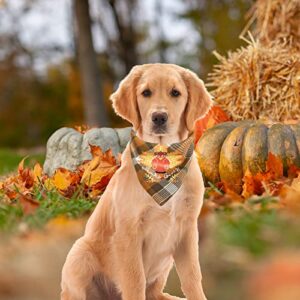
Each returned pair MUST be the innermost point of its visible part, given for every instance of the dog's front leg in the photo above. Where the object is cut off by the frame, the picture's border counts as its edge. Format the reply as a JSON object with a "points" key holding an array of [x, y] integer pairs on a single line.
{"points": [[187, 264], [129, 264]]}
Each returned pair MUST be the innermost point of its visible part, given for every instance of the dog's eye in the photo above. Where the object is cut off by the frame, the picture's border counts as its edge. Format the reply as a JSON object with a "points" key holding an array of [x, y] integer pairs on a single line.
{"points": [[147, 93], [175, 93]]}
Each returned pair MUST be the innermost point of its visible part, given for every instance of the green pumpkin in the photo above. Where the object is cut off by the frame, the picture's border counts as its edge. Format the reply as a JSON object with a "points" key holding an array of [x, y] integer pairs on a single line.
{"points": [[227, 150]]}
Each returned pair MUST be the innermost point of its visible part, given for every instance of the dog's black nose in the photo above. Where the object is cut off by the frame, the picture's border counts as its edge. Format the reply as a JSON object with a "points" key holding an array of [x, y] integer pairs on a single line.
{"points": [[159, 118]]}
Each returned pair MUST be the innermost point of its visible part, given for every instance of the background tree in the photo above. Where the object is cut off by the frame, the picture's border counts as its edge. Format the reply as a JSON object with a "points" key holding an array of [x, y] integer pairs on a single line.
{"points": [[219, 24], [95, 111], [83, 54]]}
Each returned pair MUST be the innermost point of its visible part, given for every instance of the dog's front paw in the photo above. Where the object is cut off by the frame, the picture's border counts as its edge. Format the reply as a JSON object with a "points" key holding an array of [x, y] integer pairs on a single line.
{"points": [[166, 296]]}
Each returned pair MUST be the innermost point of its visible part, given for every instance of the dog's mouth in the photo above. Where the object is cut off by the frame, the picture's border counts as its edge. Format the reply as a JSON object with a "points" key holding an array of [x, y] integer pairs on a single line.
{"points": [[159, 130]]}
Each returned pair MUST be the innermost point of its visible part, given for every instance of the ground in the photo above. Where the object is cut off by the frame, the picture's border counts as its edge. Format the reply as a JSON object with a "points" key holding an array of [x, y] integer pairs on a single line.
{"points": [[243, 245]]}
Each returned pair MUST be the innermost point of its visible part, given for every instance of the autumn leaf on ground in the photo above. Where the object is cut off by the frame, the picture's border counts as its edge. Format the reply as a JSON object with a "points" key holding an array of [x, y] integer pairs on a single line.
{"points": [[21, 182], [65, 181], [257, 184], [26, 175], [218, 195], [97, 172], [37, 172], [290, 196], [24, 198], [274, 166], [28, 203], [293, 171], [9, 193]]}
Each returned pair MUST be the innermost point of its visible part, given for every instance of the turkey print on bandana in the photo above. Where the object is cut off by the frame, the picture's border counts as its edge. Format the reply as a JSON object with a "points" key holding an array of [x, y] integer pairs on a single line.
{"points": [[160, 168], [160, 162]]}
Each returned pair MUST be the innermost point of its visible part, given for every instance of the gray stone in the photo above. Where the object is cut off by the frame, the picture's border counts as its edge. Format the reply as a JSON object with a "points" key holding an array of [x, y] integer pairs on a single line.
{"points": [[124, 136], [68, 148]]}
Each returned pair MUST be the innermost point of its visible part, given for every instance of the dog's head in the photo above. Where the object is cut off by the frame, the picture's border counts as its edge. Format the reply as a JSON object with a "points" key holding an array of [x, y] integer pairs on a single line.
{"points": [[161, 99]]}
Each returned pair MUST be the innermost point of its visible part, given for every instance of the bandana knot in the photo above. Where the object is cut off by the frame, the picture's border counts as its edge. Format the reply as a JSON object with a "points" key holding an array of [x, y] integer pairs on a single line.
{"points": [[160, 168]]}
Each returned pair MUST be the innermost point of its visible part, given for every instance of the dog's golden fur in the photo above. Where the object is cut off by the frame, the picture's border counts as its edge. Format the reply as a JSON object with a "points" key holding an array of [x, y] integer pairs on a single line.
{"points": [[130, 242]]}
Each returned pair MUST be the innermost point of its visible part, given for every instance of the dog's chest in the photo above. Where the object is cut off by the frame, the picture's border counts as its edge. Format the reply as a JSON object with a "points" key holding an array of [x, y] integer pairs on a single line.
{"points": [[162, 229]]}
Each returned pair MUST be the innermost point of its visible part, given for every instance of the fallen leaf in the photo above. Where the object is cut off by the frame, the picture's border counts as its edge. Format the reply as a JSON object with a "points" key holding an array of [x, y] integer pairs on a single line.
{"points": [[37, 172], [269, 180], [290, 196], [63, 179], [293, 171], [29, 205], [102, 166], [26, 176]]}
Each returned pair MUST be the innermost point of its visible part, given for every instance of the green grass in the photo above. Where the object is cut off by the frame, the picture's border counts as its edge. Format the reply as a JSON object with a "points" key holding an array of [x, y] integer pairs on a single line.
{"points": [[257, 231], [51, 205], [9, 160]]}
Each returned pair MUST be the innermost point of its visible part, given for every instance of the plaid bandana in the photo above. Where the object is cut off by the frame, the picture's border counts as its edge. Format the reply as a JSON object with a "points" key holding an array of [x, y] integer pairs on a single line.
{"points": [[161, 169]]}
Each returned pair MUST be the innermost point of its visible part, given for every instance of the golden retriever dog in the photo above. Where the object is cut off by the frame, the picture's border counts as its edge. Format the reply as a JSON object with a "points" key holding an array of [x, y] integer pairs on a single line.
{"points": [[130, 242]]}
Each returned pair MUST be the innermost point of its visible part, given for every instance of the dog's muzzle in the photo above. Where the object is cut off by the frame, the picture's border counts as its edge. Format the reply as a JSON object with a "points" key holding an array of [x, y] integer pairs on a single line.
{"points": [[159, 122]]}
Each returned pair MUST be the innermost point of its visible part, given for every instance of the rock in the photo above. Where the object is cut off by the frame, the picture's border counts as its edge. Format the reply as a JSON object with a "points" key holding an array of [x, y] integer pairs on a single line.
{"points": [[124, 136], [68, 148]]}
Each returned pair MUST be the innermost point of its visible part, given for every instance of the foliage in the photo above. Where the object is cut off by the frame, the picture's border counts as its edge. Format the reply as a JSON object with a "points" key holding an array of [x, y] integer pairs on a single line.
{"points": [[30, 192], [264, 194], [39, 76], [33, 198], [50, 204], [90, 179], [214, 116], [31, 107], [217, 23], [239, 242], [257, 227]]}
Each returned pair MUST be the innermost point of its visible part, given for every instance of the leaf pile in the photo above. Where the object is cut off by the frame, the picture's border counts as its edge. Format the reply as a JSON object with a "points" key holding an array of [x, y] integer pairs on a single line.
{"points": [[271, 184], [88, 180]]}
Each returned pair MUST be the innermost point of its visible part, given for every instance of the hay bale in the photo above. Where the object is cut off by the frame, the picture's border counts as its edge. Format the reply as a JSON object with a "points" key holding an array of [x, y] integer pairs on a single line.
{"points": [[276, 20], [258, 81]]}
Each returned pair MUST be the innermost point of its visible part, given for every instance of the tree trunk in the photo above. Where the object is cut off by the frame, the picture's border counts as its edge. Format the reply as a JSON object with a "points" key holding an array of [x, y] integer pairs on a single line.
{"points": [[94, 107], [127, 34]]}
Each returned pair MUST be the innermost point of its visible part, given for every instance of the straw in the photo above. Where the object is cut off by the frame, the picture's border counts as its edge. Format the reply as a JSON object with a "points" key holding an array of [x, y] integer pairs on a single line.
{"points": [[262, 79]]}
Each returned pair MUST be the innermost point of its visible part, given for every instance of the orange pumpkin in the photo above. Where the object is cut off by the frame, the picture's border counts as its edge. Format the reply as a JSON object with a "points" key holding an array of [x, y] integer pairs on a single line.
{"points": [[215, 116]]}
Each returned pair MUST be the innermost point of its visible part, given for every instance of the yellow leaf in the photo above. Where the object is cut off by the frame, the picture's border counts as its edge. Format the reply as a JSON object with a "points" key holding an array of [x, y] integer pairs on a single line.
{"points": [[37, 172], [64, 179], [48, 184], [61, 179], [95, 176], [102, 165]]}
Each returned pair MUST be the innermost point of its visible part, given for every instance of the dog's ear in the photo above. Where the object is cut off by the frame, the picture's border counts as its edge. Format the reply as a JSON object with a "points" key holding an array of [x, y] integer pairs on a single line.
{"points": [[124, 99], [199, 100]]}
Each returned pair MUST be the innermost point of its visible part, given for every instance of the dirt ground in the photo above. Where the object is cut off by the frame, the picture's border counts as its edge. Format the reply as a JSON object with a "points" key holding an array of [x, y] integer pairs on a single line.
{"points": [[30, 264]]}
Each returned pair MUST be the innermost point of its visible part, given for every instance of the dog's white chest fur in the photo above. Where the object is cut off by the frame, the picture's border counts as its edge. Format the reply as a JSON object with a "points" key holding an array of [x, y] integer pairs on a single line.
{"points": [[162, 230]]}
